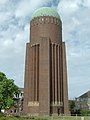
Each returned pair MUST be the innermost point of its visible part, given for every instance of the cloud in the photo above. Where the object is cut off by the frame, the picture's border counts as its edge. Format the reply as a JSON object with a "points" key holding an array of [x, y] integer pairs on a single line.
{"points": [[14, 33], [26, 7], [68, 7], [3, 2], [86, 3], [75, 18]]}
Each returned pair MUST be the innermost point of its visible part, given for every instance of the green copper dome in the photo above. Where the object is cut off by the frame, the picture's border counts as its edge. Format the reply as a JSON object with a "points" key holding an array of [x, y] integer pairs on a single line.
{"points": [[45, 11]]}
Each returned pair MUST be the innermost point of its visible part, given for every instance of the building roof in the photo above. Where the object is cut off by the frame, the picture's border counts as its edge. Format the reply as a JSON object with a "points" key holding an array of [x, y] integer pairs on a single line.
{"points": [[21, 89], [87, 94], [45, 11]]}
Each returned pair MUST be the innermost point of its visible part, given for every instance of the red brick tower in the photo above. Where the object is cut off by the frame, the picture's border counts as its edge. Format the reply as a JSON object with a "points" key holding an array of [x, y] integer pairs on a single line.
{"points": [[45, 88]]}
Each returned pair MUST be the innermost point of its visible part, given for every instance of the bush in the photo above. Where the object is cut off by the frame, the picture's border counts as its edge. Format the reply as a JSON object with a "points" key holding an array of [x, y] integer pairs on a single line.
{"points": [[85, 112], [2, 114]]}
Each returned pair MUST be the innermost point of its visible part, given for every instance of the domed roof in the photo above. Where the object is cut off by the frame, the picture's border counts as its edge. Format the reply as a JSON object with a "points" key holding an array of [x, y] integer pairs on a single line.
{"points": [[45, 11]]}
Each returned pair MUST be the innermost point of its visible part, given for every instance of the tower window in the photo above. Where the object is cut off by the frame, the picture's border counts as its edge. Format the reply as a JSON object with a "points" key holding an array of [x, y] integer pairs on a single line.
{"points": [[55, 20], [45, 20], [42, 19], [48, 20], [37, 21], [51, 20], [34, 22]]}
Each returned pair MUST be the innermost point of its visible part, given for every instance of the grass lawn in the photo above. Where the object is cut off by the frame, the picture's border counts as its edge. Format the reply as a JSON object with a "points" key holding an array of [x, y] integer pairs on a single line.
{"points": [[44, 118]]}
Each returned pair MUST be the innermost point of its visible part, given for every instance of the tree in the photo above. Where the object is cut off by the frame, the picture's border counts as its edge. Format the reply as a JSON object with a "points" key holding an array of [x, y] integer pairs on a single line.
{"points": [[7, 91], [71, 106]]}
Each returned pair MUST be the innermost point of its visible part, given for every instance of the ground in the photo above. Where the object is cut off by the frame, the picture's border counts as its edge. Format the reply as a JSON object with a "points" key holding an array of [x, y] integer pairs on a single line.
{"points": [[45, 118]]}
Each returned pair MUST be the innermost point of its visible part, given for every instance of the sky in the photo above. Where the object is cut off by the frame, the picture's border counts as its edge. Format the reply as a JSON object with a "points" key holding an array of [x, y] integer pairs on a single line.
{"points": [[14, 34]]}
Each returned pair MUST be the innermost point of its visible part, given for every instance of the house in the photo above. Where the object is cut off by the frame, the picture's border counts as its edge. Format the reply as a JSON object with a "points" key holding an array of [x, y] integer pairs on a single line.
{"points": [[83, 102]]}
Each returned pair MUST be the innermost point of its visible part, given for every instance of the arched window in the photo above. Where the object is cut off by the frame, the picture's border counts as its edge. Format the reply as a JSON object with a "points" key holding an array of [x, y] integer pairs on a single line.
{"points": [[55, 20], [51, 20], [40, 20]]}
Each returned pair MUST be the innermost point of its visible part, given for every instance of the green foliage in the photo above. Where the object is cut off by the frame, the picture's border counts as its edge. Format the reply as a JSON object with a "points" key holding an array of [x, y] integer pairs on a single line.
{"points": [[7, 91], [78, 112], [71, 106], [85, 112], [43, 118]]}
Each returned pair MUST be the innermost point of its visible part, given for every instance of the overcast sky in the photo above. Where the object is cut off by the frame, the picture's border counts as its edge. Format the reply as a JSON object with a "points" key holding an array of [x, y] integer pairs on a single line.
{"points": [[14, 33]]}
